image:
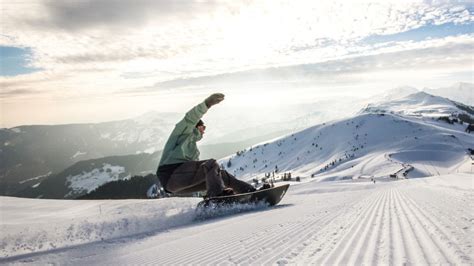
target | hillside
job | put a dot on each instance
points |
(85, 176)
(29, 154)
(383, 139)
(136, 187)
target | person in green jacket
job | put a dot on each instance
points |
(180, 171)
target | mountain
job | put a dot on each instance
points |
(28, 154)
(136, 187)
(422, 104)
(417, 104)
(461, 92)
(408, 135)
(86, 176)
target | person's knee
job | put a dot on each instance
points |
(210, 164)
(226, 174)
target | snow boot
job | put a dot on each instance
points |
(226, 192)
(265, 186)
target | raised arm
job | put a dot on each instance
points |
(192, 117)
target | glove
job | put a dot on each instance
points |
(214, 99)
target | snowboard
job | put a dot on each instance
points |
(270, 196)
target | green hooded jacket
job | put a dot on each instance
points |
(181, 145)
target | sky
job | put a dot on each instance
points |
(91, 61)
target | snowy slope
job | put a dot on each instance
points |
(384, 138)
(86, 182)
(414, 221)
(368, 144)
(85, 176)
(417, 104)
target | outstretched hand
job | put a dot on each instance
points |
(214, 99)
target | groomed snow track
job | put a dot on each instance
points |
(337, 223)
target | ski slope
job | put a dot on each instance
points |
(421, 221)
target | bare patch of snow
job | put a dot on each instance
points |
(36, 177)
(88, 181)
(77, 154)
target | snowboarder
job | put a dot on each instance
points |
(180, 171)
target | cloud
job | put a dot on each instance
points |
(102, 48)
(86, 14)
(405, 56)
(206, 37)
(5, 93)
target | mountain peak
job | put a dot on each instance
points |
(419, 103)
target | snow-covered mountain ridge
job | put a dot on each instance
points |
(417, 104)
(380, 141)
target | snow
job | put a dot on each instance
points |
(149, 150)
(414, 221)
(105, 135)
(345, 210)
(35, 178)
(31, 225)
(358, 146)
(88, 181)
(387, 137)
(16, 130)
(77, 154)
(417, 104)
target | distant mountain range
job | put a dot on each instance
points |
(29, 154)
